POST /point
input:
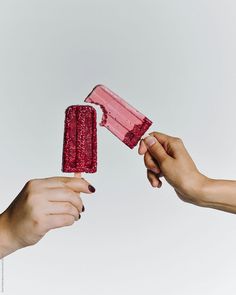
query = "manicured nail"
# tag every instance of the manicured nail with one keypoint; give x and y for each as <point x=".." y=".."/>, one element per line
<point x="150" y="140"/>
<point x="83" y="208"/>
<point x="91" y="188"/>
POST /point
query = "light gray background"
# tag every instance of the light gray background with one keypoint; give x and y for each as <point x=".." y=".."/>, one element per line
<point x="173" y="60"/>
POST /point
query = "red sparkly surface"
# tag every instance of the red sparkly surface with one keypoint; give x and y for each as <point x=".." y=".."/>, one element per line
<point x="80" y="140"/>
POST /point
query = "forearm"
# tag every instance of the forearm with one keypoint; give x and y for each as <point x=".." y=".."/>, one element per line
<point x="220" y="194"/>
<point x="7" y="242"/>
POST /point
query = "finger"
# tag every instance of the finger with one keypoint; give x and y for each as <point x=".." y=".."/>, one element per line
<point x="156" y="149"/>
<point x="153" y="179"/>
<point x="178" y="149"/>
<point x="60" y="208"/>
<point x="80" y="185"/>
<point x="56" y="181"/>
<point x="56" y="221"/>
<point x="150" y="163"/>
<point x="65" y="195"/>
<point x="161" y="137"/>
<point x="173" y="146"/>
<point x="142" y="148"/>
<point x="75" y="183"/>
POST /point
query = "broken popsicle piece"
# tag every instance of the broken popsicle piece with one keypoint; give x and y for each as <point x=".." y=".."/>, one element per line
<point x="80" y="140"/>
<point x="119" y="117"/>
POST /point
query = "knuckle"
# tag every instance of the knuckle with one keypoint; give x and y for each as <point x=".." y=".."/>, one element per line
<point x="178" y="140"/>
<point x="30" y="184"/>
<point x="39" y="224"/>
<point x="153" y="133"/>
<point x="158" y="149"/>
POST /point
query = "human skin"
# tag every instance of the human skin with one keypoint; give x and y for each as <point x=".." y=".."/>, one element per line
<point x="42" y="205"/>
<point x="166" y="156"/>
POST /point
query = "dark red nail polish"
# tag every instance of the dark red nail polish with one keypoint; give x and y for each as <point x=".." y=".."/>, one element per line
<point x="91" y="188"/>
<point x="83" y="209"/>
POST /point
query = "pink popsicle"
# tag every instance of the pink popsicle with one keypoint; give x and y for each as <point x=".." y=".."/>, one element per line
<point x="80" y="140"/>
<point x="123" y="120"/>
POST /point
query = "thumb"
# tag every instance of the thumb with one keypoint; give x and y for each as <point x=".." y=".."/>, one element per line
<point x="155" y="149"/>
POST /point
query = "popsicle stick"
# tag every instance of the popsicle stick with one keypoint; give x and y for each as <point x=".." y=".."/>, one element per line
<point x="78" y="175"/>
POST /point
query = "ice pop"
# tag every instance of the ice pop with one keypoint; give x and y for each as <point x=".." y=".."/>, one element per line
<point x="80" y="140"/>
<point x="119" y="117"/>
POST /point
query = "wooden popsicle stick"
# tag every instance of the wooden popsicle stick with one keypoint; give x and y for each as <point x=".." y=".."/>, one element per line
<point x="78" y="175"/>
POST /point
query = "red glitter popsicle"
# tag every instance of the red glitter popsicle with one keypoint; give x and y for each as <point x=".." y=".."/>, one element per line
<point x="123" y="120"/>
<point x="80" y="140"/>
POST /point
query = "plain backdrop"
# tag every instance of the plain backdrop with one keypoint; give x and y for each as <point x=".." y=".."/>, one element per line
<point x="173" y="60"/>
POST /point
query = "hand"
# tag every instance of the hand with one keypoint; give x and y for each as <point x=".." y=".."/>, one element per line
<point x="167" y="156"/>
<point x="42" y="205"/>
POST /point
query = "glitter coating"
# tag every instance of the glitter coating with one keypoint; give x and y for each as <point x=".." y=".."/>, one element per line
<point x="133" y="137"/>
<point x="123" y="120"/>
<point x="80" y="140"/>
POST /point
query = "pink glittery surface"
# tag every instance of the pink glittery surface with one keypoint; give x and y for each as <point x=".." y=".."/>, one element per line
<point x="119" y="117"/>
<point x="133" y="136"/>
<point x="80" y="140"/>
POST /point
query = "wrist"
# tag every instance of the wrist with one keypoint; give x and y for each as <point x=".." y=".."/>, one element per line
<point x="220" y="194"/>
<point x="204" y="189"/>
<point x="214" y="195"/>
<point x="8" y="243"/>
<point x="196" y="189"/>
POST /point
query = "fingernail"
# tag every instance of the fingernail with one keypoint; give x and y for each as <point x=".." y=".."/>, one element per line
<point x="154" y="184"/>
<point x="79" y="216"/>
<point x="155" y="170"/>
<point x="83" y="209"/>
<point x="91" y="188"/>
<point x="150" y="140"/>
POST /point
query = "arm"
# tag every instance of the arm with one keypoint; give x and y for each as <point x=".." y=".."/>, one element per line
<point x="7" y="243"/>
<point x="220" y="194"/>
<point x="166" y="156"/>
<point x="42" y="205"/>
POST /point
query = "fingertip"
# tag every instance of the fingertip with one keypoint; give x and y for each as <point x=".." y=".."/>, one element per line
<point x="150" y="141"/>
<point x="142" y="148"/>
<point x="139" y="151"/>
<point x="154" y="184"/>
